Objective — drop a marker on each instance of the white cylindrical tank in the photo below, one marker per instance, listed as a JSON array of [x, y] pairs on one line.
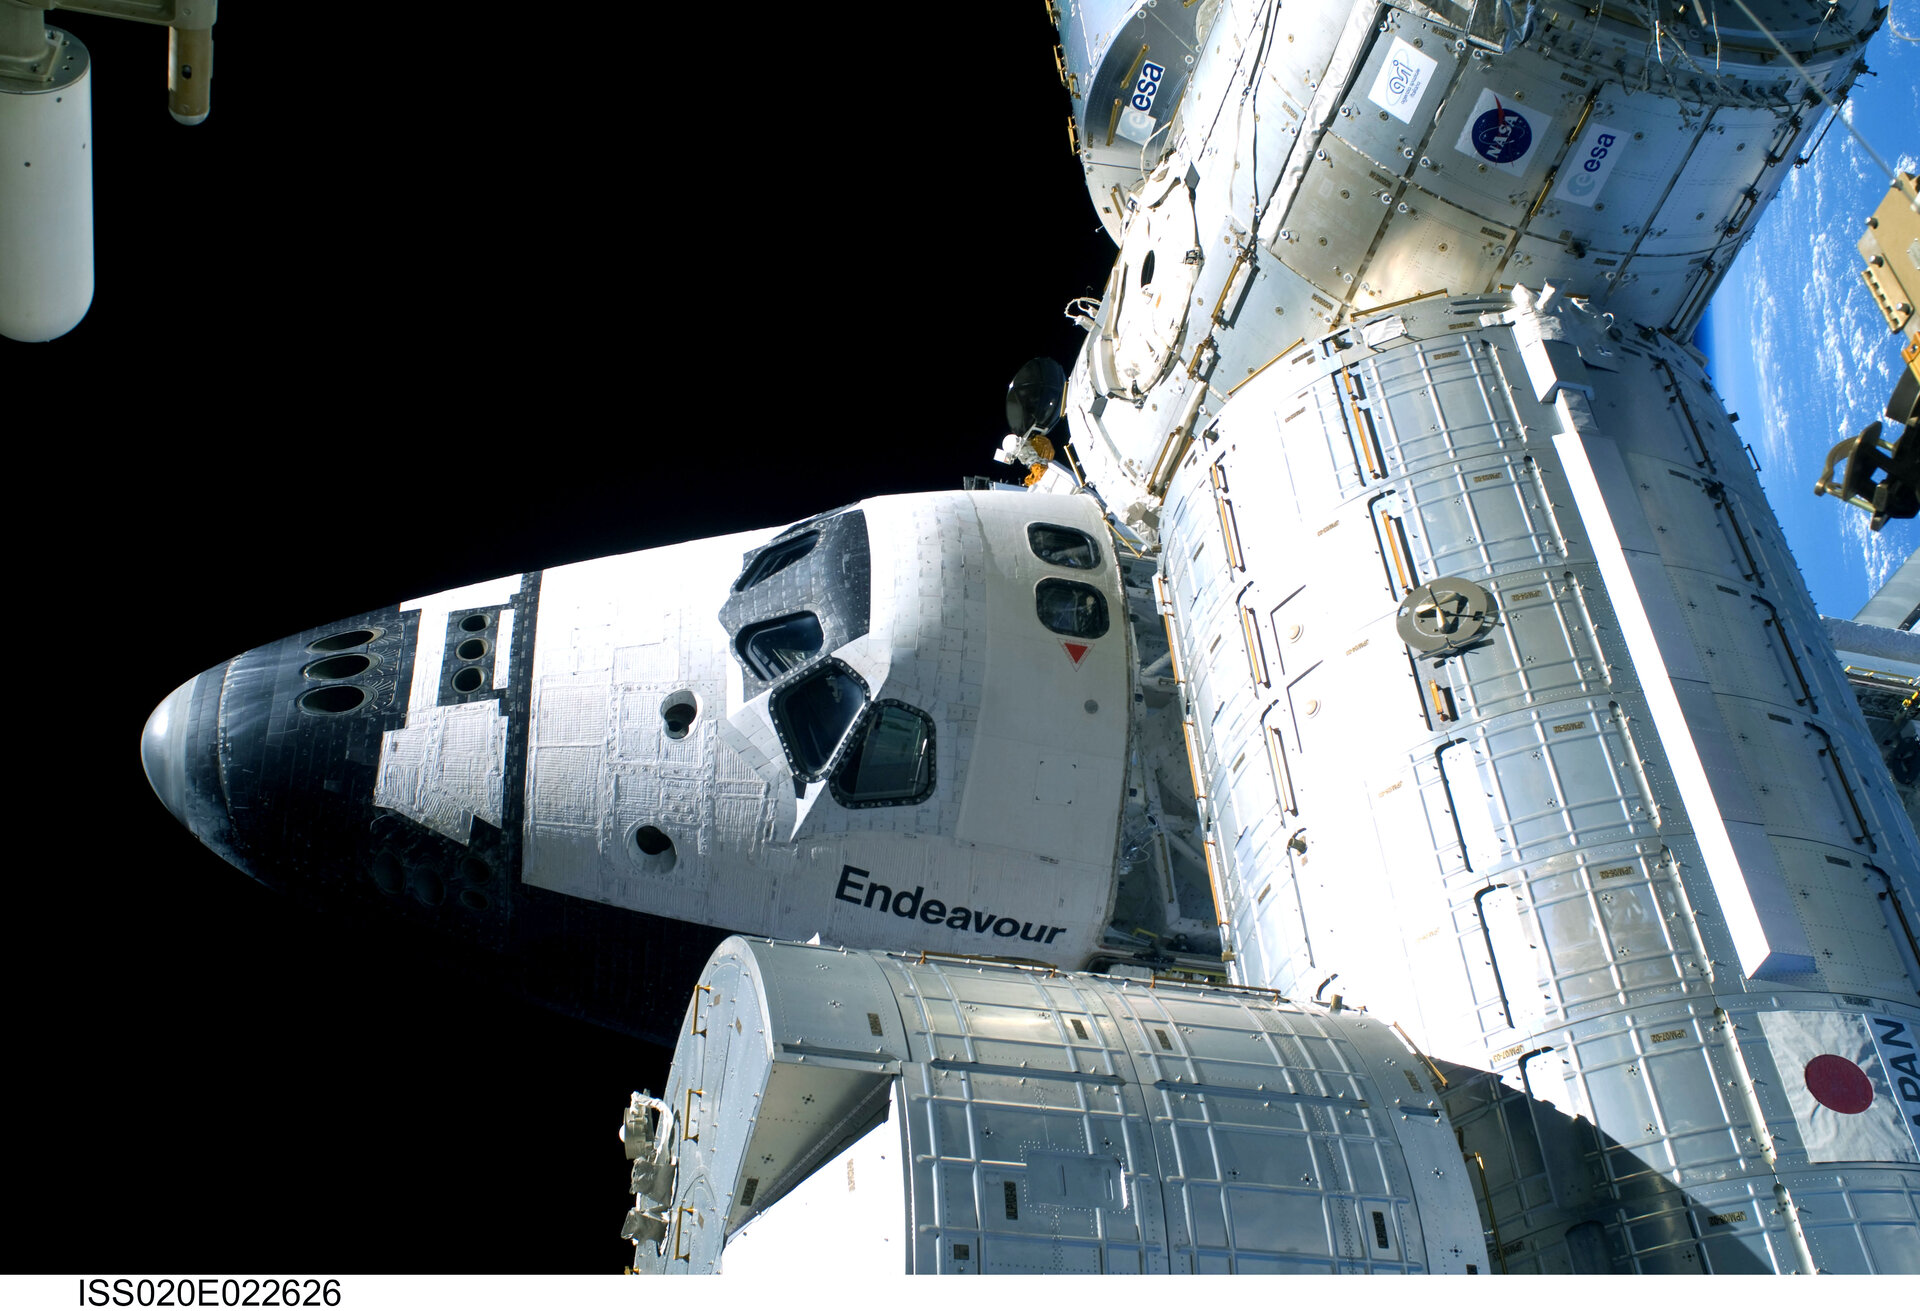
[[902, 1114], [46, 199]]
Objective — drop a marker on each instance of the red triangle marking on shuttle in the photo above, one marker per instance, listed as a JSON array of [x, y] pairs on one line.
[[1076, 651]]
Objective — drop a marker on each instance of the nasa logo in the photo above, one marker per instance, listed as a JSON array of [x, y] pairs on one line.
[[1147, 86], [1498, 131], [1502, 135]]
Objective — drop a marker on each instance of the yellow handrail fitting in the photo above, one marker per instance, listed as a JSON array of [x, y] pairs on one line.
[[1298, 341], [1426, 1060], [1193, 760], [1213, 881], [1256, 657], [1227, 532], [1282, 776], [1400, 567]]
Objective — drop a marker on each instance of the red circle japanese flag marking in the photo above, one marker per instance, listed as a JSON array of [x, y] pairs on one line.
[[1845, 1108], [1839, 1085]]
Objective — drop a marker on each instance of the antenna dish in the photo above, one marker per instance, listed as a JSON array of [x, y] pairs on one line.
[[1035, 397]]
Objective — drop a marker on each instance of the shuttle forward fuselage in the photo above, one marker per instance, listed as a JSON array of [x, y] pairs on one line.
[[861, 727]]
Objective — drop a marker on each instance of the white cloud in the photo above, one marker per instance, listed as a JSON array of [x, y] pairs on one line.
[[1880, 553], [1823, 361]]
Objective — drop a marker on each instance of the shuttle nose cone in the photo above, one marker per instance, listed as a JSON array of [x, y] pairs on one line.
[[163, 748]]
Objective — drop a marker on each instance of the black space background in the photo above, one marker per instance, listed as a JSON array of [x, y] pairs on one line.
[[423, 304]]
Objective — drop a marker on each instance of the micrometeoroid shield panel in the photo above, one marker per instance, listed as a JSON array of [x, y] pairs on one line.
[[1001, 1119], [1617, 788], [1341, 159], [1126, 67], [46, 199]]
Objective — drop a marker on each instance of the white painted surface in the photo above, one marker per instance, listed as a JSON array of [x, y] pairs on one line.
[[1047, 1122], [503, 647], [46, 207], [615, 637], [448, 764], [1877, 1133], [1765, 931], [1012, 868], [1402, 79], [852, 1212], [447, 770]]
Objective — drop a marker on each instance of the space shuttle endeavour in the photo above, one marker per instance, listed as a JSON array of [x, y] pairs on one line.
[[1378, 799]]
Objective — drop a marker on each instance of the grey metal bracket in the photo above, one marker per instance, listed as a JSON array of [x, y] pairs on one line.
[[29, 50], [1445, 616]]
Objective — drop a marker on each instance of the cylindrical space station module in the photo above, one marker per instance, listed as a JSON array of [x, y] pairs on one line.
[[1270, 170], [1505, 713], [944, 1115], [1520, 728]]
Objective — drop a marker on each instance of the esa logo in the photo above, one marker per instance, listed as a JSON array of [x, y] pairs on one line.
[[1136, 124], [1147, 86], [1599, 150], [1586, 181]]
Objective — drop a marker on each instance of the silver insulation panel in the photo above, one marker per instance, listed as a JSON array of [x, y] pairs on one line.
[[939, 1115], [1622, 840], [1332, 160]]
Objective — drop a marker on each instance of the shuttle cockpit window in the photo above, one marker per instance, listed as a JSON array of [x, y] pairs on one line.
[[806, 592], [813, 713], [1071, 609], [775, 558], [1067, 547], [890, 762], [779, 645]]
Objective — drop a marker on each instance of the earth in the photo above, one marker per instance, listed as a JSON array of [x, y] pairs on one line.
[[1796, 346]]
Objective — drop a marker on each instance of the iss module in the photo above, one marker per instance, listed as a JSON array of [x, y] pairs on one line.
[[961, 1117], [1380, 798], [1524, 728], [1503, 708]]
